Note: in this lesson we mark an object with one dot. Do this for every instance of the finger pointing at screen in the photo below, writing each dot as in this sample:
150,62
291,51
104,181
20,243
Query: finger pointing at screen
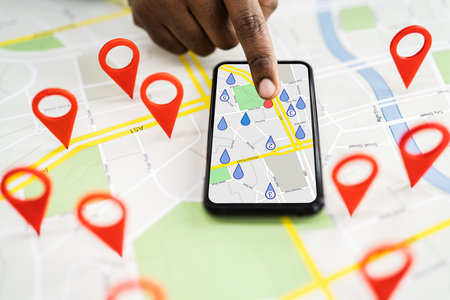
203,25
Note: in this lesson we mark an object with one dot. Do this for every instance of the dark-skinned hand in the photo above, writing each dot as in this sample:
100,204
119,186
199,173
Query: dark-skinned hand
203,25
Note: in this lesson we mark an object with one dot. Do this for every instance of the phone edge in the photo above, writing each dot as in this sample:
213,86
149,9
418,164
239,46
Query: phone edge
261,209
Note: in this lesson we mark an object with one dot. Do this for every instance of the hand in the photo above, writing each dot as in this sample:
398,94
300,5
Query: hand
203,25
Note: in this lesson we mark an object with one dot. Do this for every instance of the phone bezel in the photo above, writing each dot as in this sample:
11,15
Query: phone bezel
266,208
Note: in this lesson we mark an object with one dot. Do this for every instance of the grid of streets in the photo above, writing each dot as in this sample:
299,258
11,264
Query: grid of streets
262,154
117,146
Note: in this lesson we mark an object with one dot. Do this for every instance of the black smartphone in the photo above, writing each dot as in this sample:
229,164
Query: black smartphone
263,155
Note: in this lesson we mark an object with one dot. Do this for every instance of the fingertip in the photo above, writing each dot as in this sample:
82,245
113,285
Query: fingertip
267,89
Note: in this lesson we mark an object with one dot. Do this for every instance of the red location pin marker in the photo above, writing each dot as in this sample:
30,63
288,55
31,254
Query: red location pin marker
418,164
408,66
149,286
62,126
268,103
112,234
164,114
383,287
32,210
126,76
352,194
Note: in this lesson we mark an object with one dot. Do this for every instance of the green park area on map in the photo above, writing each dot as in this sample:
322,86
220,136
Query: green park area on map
170,237
442,59
219,175
41,43
247,97
73,178
188,248
357,18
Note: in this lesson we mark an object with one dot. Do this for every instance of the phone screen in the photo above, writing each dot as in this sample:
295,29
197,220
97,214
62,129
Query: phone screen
262,151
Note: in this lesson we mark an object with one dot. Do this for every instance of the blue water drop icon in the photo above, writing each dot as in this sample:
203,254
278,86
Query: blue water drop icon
270,192
230,79
222,124
300,103
300,134
225,158
284,96
224,97
245,120
238,173
270,145
291,111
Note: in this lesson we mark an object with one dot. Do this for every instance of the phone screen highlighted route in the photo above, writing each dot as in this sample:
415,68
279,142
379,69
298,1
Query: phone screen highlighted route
262,151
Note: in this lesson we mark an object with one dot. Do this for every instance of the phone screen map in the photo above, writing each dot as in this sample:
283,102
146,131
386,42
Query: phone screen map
262,151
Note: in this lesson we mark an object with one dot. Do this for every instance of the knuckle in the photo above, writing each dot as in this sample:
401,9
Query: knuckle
227,44
197,42
204,51
136,21
135,5
250,24
178,50
168,45
270,4
260,61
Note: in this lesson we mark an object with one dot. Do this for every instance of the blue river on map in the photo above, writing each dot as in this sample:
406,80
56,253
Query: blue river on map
381,90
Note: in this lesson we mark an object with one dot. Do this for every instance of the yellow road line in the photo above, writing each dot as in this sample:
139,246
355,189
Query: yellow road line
119,3
239,70
192,75
296,147
412,239
128,123
103,18
97,133
96,142
247,76
201,69
292,231
115,136
277,99
286,129
103,131
285,117
249,79
106,130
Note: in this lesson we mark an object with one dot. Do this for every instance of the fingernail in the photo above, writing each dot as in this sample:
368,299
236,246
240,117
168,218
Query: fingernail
266,88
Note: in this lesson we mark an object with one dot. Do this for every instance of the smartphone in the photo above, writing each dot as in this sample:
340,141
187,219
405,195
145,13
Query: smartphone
263,156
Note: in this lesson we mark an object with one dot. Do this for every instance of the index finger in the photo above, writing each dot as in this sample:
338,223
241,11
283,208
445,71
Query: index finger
251,30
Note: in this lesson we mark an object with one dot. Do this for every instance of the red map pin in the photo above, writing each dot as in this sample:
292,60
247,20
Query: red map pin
268,103
418,164
112,234
150,287
383,287
164,114
126,76
408,66
32,210
62,126
352,194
